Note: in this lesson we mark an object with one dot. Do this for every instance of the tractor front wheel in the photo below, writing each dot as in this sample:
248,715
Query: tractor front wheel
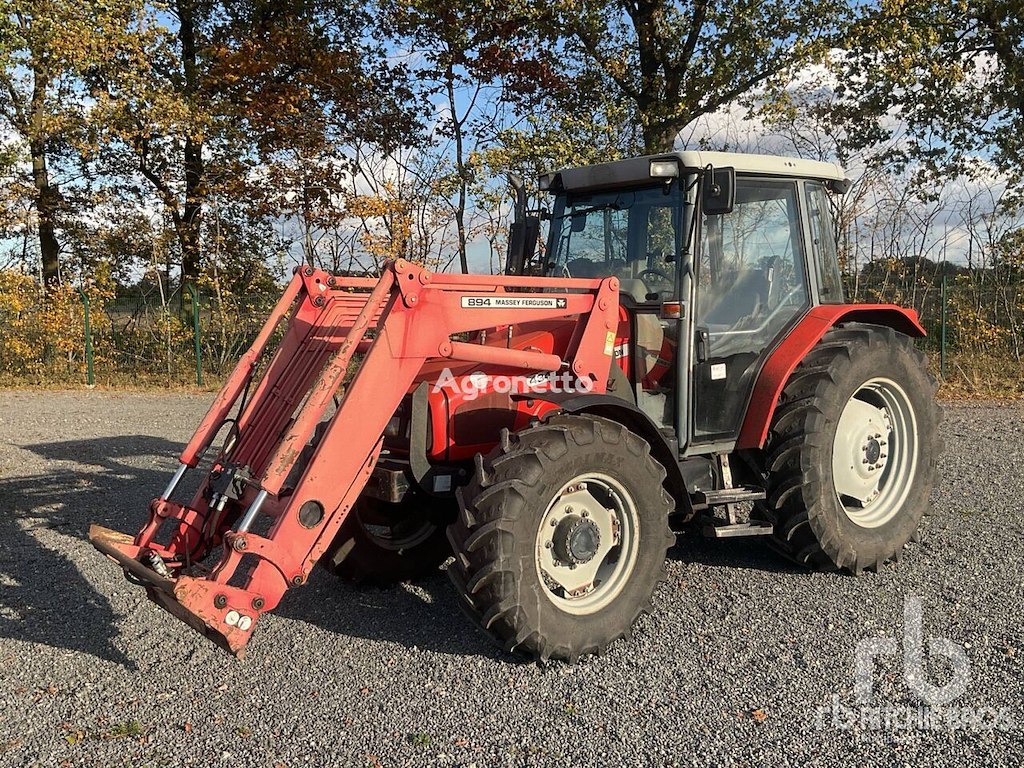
385,543
561,536
852,450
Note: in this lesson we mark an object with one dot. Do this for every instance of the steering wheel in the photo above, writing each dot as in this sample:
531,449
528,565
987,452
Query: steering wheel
657,273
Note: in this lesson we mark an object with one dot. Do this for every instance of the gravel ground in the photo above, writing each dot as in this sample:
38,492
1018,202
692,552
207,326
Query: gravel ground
746,661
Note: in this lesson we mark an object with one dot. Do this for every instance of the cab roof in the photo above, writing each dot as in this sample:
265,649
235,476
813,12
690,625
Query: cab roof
637,170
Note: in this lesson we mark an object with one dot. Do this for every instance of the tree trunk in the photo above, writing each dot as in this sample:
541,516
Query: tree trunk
47,196
192,213
46,204
460,168
659,136
656,97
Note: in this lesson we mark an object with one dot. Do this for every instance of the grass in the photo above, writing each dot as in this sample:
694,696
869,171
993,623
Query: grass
421,739
127,729
116,383
979,377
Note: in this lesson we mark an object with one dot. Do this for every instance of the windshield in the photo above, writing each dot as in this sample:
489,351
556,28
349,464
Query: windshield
630,234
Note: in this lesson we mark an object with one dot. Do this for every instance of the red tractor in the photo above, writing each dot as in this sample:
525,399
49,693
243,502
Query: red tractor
678,353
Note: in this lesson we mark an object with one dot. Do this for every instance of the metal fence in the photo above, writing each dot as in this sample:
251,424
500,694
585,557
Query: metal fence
128,339
975,334
142,339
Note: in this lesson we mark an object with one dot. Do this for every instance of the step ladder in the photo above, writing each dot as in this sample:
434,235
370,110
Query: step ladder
728,497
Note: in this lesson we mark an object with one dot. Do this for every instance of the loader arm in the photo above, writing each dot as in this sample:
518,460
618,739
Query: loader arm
272,502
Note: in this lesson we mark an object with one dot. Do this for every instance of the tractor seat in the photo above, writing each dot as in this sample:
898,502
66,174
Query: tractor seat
735,297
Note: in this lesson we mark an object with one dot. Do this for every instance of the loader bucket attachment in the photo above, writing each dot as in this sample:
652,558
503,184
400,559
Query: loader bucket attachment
279,488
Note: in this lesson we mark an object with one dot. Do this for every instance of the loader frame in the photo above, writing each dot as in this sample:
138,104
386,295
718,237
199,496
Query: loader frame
397,323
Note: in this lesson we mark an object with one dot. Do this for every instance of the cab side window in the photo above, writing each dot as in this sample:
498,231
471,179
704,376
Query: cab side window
823,244
752,261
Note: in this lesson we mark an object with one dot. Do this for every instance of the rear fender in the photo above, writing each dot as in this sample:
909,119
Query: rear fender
794,348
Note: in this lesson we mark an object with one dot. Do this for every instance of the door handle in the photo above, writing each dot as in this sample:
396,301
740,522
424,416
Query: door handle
703,344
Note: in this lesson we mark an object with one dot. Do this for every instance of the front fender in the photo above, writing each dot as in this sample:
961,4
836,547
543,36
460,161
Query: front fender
625,412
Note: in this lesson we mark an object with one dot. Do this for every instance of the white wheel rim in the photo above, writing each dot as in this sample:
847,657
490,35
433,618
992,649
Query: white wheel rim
591,513
874,453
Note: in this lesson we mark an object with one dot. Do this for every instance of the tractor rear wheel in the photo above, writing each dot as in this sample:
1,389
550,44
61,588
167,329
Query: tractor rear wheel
561,536
852,450
385,543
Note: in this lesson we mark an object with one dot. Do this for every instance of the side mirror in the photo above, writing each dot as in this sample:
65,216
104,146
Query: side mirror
718,190
532,235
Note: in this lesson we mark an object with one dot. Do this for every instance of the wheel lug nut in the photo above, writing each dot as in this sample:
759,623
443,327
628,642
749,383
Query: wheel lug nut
548,544
586,513
553,522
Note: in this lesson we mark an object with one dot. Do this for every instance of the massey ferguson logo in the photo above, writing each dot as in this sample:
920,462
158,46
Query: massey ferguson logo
512,302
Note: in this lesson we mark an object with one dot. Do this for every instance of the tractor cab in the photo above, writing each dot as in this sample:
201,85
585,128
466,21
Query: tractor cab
723,251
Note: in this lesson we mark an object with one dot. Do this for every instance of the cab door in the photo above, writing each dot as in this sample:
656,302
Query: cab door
751,288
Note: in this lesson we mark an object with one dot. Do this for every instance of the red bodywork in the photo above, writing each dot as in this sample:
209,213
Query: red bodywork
408,320
408,326
466,419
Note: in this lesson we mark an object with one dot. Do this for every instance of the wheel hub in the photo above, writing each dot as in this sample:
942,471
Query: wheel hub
576,540
874,453
872,450
586,544
861,438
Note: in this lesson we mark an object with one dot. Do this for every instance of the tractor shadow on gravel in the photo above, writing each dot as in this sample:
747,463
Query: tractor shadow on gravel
44,595
111,480
752,553
424,614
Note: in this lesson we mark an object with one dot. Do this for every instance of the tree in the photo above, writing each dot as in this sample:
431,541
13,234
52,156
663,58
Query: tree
949,74
672,62
232,90
46,49
479,61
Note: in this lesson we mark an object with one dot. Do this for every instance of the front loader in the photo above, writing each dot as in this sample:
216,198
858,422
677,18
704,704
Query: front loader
677,355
